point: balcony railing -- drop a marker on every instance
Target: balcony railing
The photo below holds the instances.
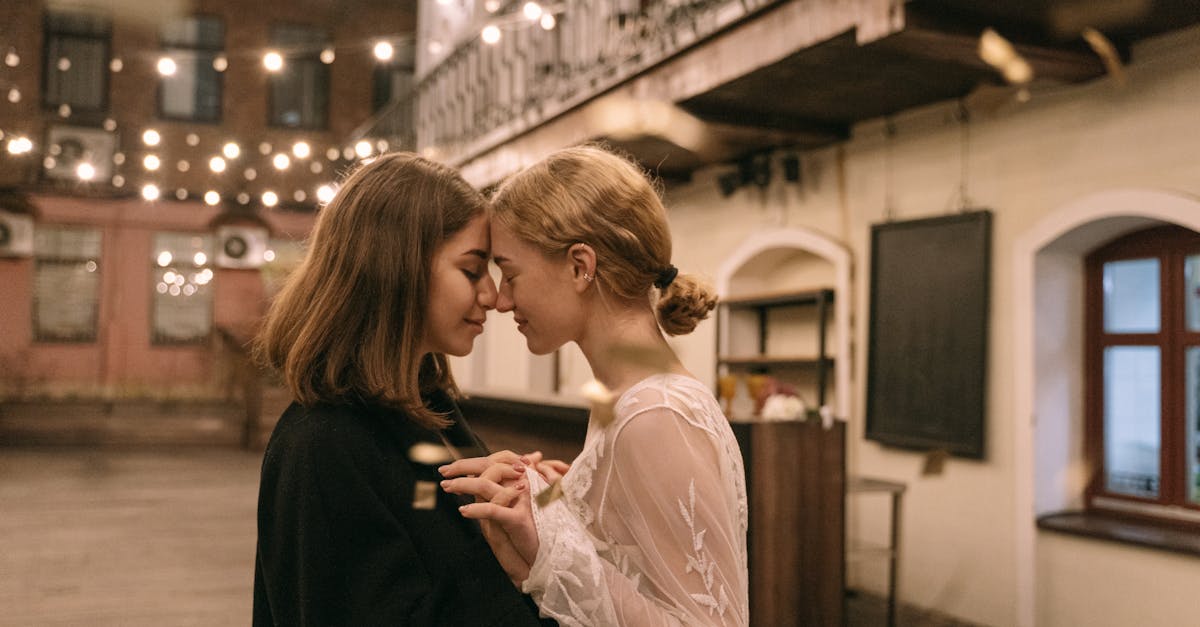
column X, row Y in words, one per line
column 482, row 95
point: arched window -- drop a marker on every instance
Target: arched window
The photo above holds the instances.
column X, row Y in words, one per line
column 1143, row 374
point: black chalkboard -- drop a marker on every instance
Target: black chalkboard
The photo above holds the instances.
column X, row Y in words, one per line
column 927, row 350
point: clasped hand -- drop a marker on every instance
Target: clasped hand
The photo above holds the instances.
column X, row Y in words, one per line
column 502, row 503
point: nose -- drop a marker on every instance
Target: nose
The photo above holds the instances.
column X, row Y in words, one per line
column 504, row 301
column 485, row 294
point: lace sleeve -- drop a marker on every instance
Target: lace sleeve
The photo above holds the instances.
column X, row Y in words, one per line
column 673, row 547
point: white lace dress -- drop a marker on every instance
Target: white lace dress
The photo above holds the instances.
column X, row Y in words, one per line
column 651, row 529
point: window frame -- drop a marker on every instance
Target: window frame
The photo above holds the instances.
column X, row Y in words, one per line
column 38, row 259
column 1170, row 245
column 47, row 70
column 289, row 58
column 168, row 47
column 156, row 340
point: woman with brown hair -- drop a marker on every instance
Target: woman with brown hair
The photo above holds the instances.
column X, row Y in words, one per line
column 650, row 528
column 351, row 527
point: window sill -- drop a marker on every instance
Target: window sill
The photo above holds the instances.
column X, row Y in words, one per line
column 1100, row 526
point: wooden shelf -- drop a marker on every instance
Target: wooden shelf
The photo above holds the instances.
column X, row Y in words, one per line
column 777, row 299
column 767, row 360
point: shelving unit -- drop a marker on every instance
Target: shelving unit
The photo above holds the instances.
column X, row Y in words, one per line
column 732, row 358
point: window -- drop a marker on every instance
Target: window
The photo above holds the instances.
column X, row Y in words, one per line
column 66, row 284
column 300, row 91
column 393, row 79
column 181, row 280
column 1143, row 372
column 193, row 92
column 75, row 69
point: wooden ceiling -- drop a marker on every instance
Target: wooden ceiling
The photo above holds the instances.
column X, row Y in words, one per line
column 814, row 96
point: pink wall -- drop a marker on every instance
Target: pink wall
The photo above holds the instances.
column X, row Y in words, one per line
column 123, row 361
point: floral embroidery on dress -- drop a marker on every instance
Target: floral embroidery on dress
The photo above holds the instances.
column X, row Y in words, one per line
column 699, row 562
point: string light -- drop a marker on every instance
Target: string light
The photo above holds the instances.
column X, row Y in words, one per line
column 302, row 150
column 384, row 51
column 281, row 161
column 243, row 198
column 548, row 22
column 491, row 5
column 110, row 125
column 200, row 258
column 49, row 163
column 211, row 197
column 316, row 167
column 151, row 137
column 231, row 150
column 181, row 193
column 332, row 154
column 151, row 162
column 327, row 56
column 64, row 64
column 119, row 158
column 270, row 199
column 250, row 174
column 299, row 195
column 220, row 63
column 264, row 148
column 532, row 11
column 192, row 139
column 12, row 59
column 14, row 95
column 490, row 34
column 118, row 181
column 150, row 192
column 64, row 110
column 216, row 164
column 273, row 61
column 363, row 149
column 164, row 260
column 166, row 66
column 85, row 171
column 183, row 165
column 268, row 255
column 116, row 65
column 325, row 193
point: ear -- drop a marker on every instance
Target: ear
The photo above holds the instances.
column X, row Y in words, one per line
column 583, row 265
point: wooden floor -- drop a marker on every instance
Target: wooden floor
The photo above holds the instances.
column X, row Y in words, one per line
column 95, row 537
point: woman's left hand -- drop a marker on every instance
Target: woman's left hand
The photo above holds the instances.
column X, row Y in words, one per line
column 498, row 501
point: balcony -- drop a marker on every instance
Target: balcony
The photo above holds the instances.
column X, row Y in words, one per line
column 681, row 84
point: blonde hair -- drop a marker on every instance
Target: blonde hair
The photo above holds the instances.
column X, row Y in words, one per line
column 348, row 323
column 589, row 195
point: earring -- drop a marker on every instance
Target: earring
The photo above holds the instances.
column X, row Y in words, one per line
column 587, row 277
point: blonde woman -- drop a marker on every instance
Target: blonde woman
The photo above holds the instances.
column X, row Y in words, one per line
column 351, row 527
column 651, row 526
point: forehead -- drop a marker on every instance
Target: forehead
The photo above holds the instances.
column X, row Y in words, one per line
column 507, row 247
column 474, row 235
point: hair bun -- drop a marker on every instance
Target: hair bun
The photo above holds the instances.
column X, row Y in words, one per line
column 683, row 304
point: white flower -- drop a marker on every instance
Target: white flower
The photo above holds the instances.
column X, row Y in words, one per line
column 783, row 407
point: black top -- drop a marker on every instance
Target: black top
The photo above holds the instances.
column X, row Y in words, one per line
column 341, row 541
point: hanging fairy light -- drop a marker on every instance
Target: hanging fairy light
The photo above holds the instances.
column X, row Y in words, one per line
column 490, row 34
column 300, row 195
column 532, row 11
column 491, row 6
column 333, row 154
column 150, row 192
column 301, row 150
column 363, row 149
column 12, row 59
column 151, row 137
column 110, row 125
column 118, row 181
column 325, row 193
column 183, row 165
column 216, row 164
column 166, row 66
column 14, row 95
column 548, row 21
column 64, row 64
column 264, row 148
column 151, row 162
column 273, row 61
column 211, row 197
column 220, row 63
column 116, row 65
column 250, row 174
column 118, row 158
column 181, row 194
column 192, row 139
column 231, row 150
column 85, row 171
column 281, row 161
column 316, row 167
column 243, row 198
column 64, row 110
column 270, row 198
column 328, row 56
column 384, row 51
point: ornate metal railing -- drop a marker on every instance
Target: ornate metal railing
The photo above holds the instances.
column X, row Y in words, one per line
column 481, row 95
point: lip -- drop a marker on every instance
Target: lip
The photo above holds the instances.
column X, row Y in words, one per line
column 478, row 324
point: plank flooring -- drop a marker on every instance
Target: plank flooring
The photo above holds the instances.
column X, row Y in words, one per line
column 107, row 537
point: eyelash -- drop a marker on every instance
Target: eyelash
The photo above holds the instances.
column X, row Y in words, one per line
column 473, row 276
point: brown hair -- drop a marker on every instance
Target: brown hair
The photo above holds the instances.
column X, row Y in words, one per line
column 590, row 195
column 348, row 323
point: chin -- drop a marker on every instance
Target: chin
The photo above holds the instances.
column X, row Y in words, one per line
column 540, row 348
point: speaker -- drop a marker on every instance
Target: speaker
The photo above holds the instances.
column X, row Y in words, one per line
column 16, row 235
column 241, row 246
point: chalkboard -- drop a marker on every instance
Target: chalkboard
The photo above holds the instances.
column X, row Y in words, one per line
column 927, row 350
